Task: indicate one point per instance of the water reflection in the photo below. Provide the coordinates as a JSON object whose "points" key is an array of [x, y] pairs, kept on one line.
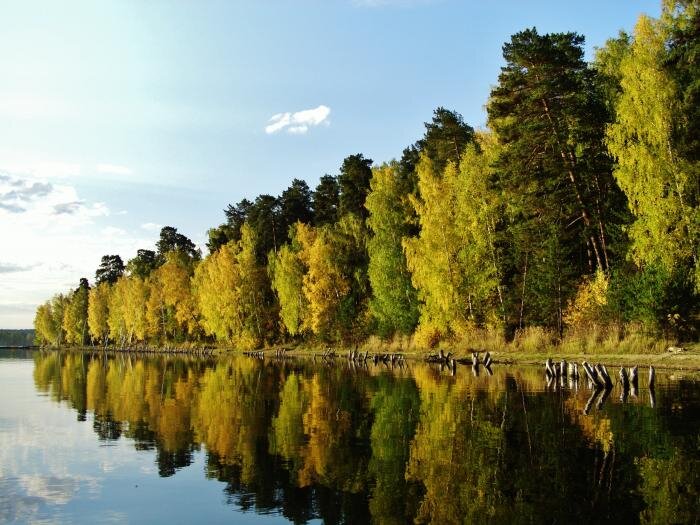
{"points": [[414, 444]]}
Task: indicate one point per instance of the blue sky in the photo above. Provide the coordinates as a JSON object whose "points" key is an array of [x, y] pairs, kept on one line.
{"points": [[119, 117]]}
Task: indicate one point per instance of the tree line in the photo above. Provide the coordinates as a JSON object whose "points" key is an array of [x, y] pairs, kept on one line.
{"points": [[576, 208]]}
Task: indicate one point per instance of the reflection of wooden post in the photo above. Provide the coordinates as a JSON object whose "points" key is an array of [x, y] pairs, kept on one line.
{"points": [[596, 392], [550, 382], [603, 398], [652, 398]]}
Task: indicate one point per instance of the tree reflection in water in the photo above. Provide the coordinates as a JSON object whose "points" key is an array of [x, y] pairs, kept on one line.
{"points": [[359, 445]]}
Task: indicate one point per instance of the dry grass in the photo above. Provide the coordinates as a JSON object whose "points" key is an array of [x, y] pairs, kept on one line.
{"points": [[398, 343]]}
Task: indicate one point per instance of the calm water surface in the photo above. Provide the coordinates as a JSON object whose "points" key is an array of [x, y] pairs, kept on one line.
{"points": [[88, 439]]}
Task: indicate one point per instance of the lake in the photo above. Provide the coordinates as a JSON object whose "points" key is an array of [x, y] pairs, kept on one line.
{"points": [[144, 439]]}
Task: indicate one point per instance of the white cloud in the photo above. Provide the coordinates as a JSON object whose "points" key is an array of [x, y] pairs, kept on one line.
{"points": [[114, 169], [151, 227], [299, 122]]}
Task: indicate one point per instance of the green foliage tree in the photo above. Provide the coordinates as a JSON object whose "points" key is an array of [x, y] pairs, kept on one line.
{"points": [[453, 262], [394, 302], [111, 268], [446, 136], [661, 185], [355, 174], [236, 216], [295, 204], [287, 271], [143, 264], [681, 20], [219, 236], [326, 200], [171, 240], [548, 112], [265, 221]]}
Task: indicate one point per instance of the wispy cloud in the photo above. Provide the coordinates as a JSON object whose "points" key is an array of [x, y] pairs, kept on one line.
{"points": [[114, 169], [299, 122], [17, 194], [14, 268], [44, 201]]}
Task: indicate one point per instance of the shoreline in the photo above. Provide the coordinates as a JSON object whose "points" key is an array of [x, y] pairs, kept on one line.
{"points": [[676, 358]]}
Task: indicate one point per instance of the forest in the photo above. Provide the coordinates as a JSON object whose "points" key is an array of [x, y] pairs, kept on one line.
{"points": [[573, 213]]}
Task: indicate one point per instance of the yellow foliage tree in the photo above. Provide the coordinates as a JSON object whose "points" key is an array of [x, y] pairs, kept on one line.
{"points": [[231, 289], [98, 312], [587, 308]]}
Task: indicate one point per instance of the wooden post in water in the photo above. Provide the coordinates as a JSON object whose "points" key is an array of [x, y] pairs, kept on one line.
{"points": [[573, 371], [652, 377], [625, 384], [604, 374], [592, 375], [624, 378], [549, 367], [633, 380]]}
